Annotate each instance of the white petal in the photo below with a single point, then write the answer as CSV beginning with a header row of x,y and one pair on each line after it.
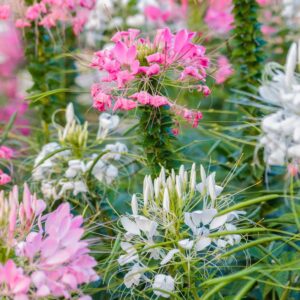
x,y
166,201
291,64
134,205
202,243
218,222
169,256
208,215
130,226
186,244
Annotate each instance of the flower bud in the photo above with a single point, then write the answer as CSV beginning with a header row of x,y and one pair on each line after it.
x,y
166,201
134,205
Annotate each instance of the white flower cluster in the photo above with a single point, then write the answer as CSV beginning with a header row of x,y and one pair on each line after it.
x,y
59,170
281,129
174,223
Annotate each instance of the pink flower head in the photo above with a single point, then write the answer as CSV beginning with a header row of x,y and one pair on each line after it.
x,y
224,70
13,280
137,68
4,12
60,255
124,104
6,152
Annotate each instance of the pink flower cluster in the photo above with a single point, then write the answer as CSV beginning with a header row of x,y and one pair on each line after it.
x,y
166,12
134,64
48,13
224,70
53,259
219,17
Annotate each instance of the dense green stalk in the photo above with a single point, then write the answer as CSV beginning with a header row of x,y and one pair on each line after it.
x,y
247,55
155,127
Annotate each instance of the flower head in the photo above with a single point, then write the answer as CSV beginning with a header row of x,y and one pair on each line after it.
x,y
177,221
134,64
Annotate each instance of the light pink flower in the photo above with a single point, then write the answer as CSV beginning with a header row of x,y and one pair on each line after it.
x,y
59,255
53,258
13,280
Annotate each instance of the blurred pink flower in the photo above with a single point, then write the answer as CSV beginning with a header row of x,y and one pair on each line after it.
x,y
164,12
48,13
4,12
224,70
219,17
6,152
4,178
9,86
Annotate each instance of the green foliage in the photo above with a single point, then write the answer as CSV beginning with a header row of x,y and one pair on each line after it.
x,y
49,68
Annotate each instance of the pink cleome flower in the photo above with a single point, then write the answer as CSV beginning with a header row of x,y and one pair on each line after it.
x,y
134,63
53,259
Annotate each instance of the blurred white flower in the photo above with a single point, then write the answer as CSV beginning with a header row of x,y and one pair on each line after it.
x,y
281,129
133,276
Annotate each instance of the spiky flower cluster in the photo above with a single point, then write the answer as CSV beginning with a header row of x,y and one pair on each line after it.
x,y
179,221
49,13
64,166
139,70
44,255
281,129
